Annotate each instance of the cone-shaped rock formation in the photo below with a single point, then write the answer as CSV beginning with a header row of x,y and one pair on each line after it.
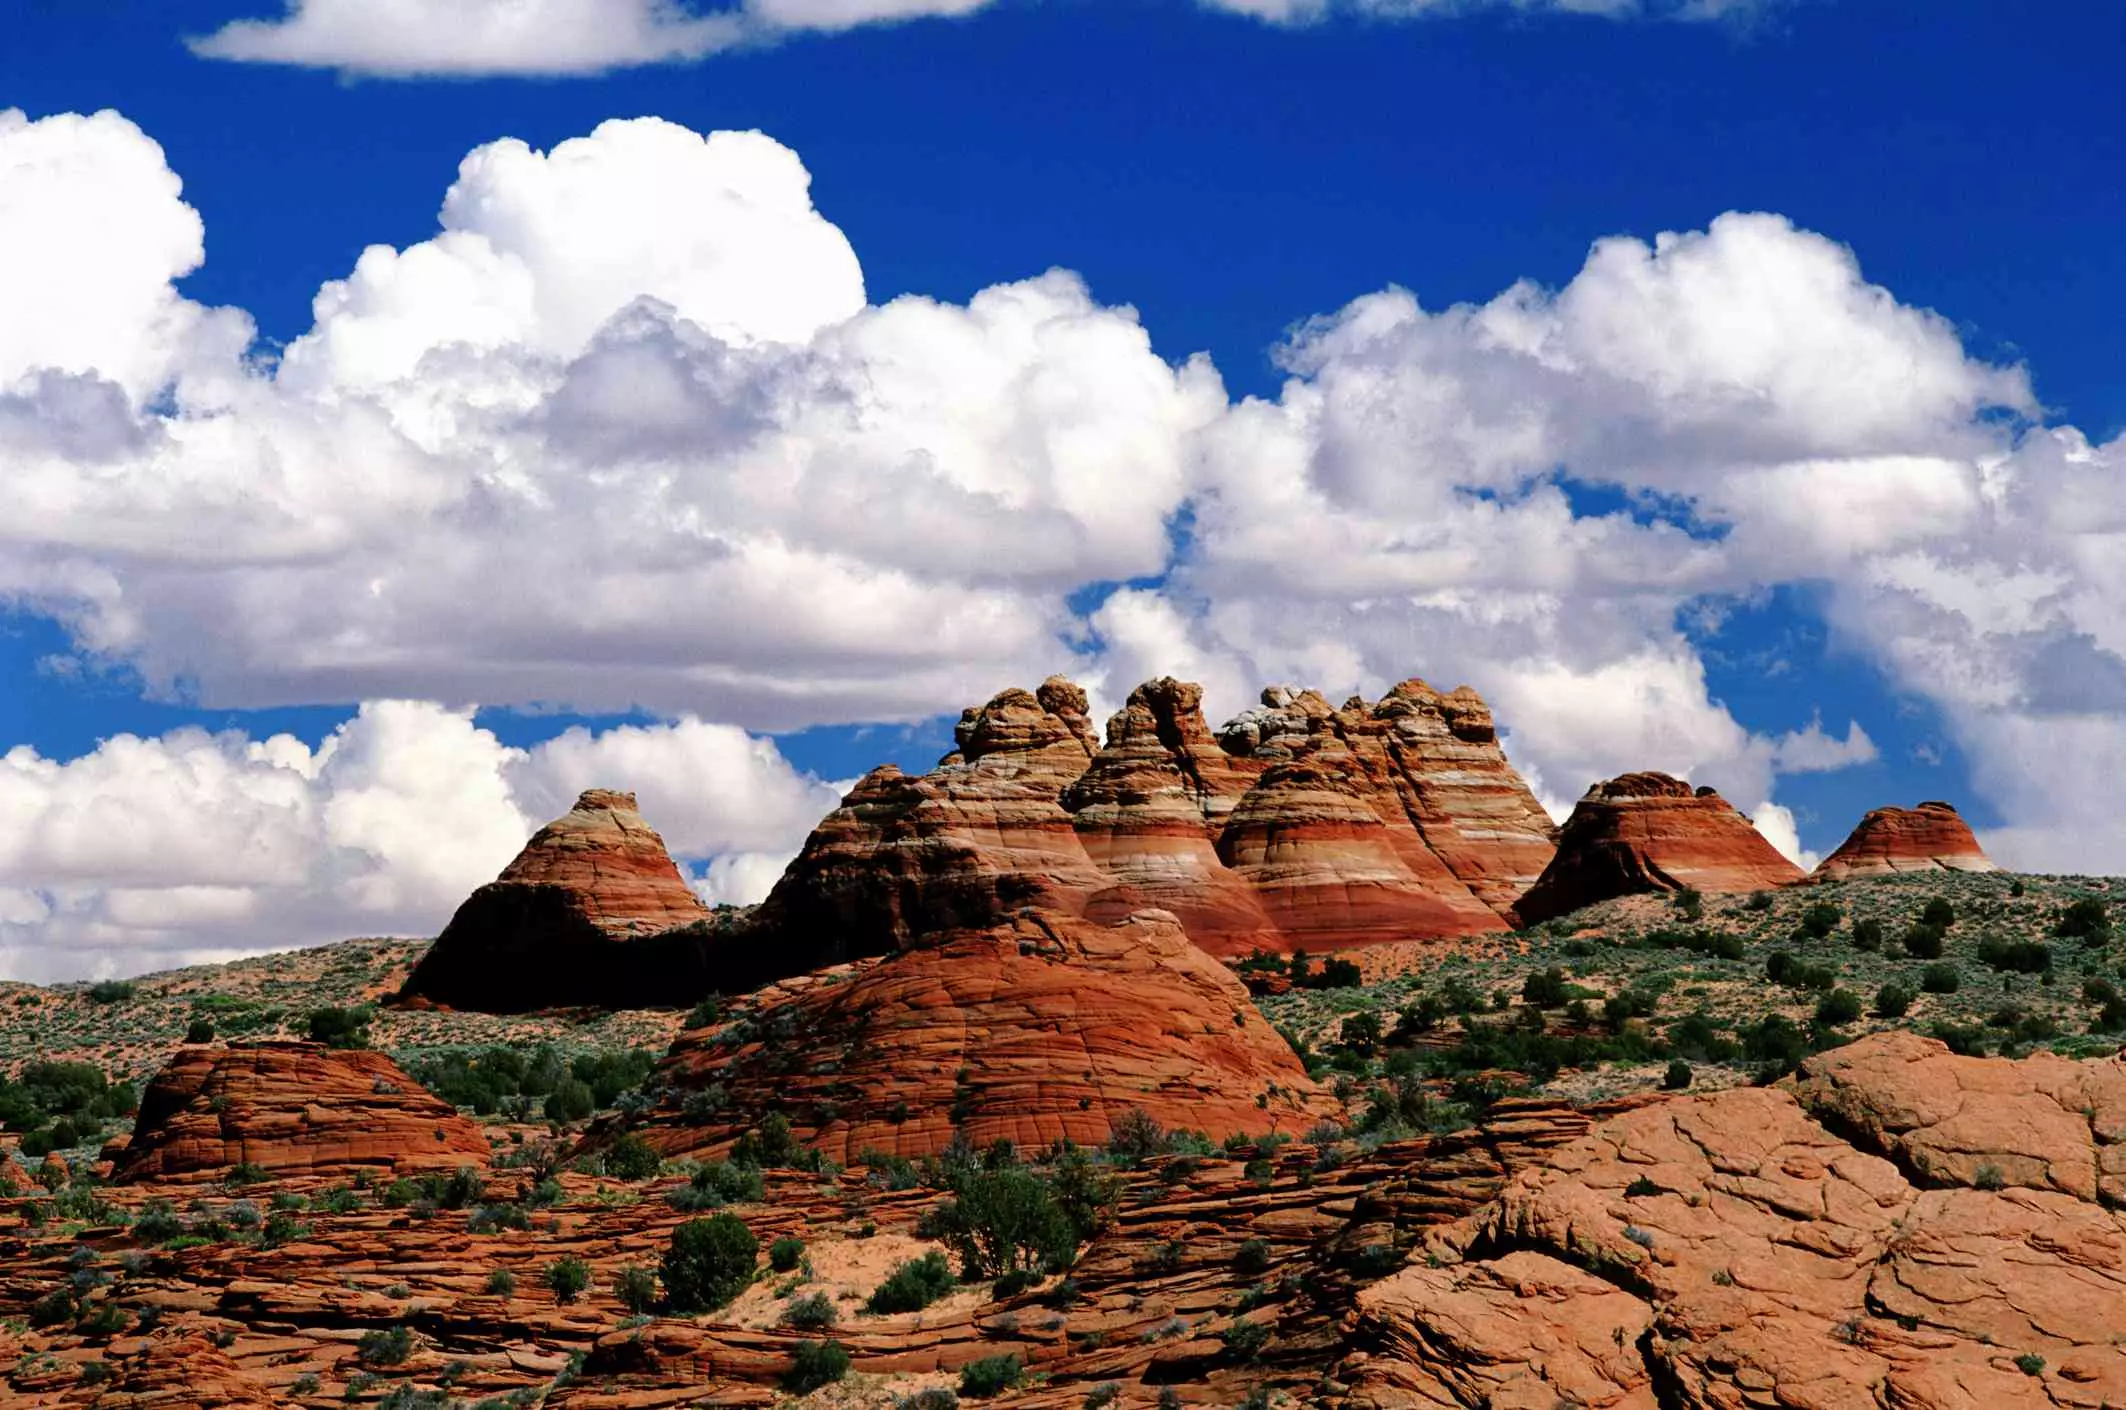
x,y
1649,832
563,923
293,1108
1043,1028
1930,837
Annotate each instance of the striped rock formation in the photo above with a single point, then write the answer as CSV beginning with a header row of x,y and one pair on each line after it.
x,y
293,1109
1046,1028
559,925
1930,837
1649,832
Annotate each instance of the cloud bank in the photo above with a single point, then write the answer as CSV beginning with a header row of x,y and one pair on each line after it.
x,y
626,432
552,38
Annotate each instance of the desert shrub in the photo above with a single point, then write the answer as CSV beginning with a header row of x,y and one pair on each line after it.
x,y
2083,919
1678,1076
199,1031
1244,1340
1938,912
1923,942
913,1285
784,1253
570,1100
1545,989
501,1283
110,991
339,1028
386,1346
1837,1008
567,1278
157,1222
1758,901
1251,1258
636,1288
710,1261
992,1375
495,1218
1775,1039
938,1399
718,1184
1136,1134
1940,979
708,1011
2015,956
632,1158
1867,935
1820,919
1893,1000
814,1312
814,1364
1001,1221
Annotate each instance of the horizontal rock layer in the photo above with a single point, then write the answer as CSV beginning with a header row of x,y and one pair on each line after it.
x,y
1930,837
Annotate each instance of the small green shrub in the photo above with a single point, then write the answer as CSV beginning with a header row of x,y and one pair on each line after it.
x,y
1838,1008
814,1364
992,1375
567,1278
199,1031
110,991
1923,942
1938,912
636,1288
914,1285
814,1312
384,1347
1940,979
785,1253
570,1100
1893,1000
710,1261
1867,935
1678,1076
1251,1258
501,1283
632,1158
340,1028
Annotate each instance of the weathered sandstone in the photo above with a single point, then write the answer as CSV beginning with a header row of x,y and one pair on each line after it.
x,y
1930,837
292,1108
1649,832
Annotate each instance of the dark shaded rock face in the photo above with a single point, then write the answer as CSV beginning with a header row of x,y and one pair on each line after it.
x,y
1649,832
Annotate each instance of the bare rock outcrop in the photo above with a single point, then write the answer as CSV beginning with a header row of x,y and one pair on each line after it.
x,y
1897,1227
293,1108
1650,832
1048,1027
560,925
1930,837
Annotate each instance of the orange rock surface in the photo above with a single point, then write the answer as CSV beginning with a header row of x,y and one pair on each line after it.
x,y
1898,1227
1930,837
1048,1027
1649,832
558,926
292,1108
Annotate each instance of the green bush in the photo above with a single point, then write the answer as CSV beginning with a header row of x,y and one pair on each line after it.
x,y
340,1028
2083,919
2015,956
1923,942
1775,1039
992,1375
199,1031
1820,919
636,1288
567,1278
501,1283
1938,912
1838,1008
384,1347
1678,1076
814,1312
1005,1220
710,1261
717,1184
1545,989
110,991
1867,935
1252,1258
632,1158
708,1011
913,1285
784,1253
570,1100
1940,979
1893,1000
157,1223
814,1364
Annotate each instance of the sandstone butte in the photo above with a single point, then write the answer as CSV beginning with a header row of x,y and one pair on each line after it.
x,y
1298,825
1649,832
292,1108
1930,837
558,925
1896,1227
1046,1028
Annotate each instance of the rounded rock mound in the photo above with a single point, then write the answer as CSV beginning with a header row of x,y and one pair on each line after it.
x,y
1649,832
293,1109
1048,1027
1930,837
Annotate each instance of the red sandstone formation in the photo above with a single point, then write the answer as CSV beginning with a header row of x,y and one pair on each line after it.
x,y
1297,826
293,1108
1930,837
555,927
1955,1244
1649,832
1045,1028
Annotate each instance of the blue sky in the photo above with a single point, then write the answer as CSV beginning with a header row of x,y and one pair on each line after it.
x,y
1711,594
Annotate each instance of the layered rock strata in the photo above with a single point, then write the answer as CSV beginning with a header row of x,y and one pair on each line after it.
x,y
1050,1027
292,1108
593,911
1650,832
1899,1227
1930,837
